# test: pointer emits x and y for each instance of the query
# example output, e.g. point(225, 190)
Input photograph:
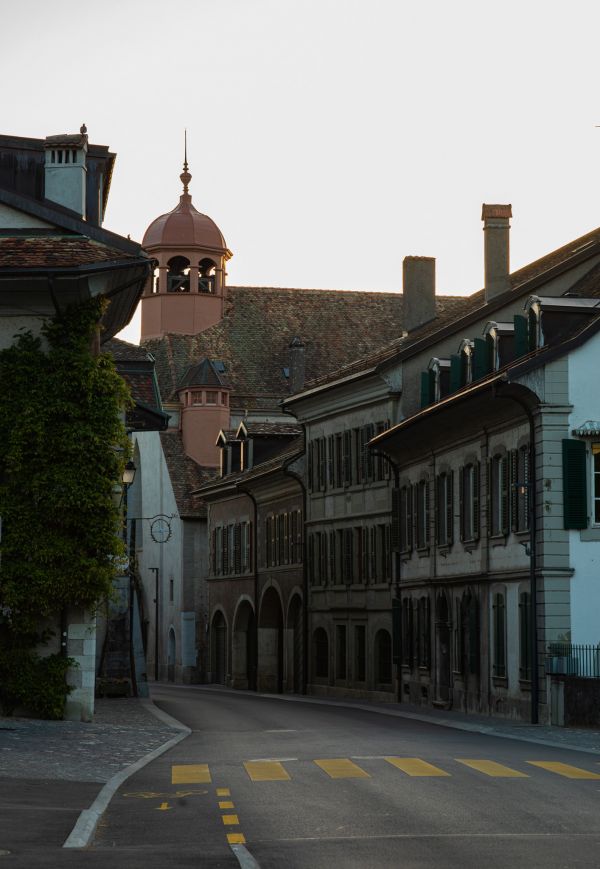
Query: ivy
point(62, 448)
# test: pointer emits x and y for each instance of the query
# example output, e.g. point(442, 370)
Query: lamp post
point(156, 572)
point(127, 479)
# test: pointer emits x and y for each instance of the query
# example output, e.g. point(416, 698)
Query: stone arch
point(270, 642)
point(218, 647)
point(178, 276)
point(243, 646)
point(295, 644)
point(206, 275)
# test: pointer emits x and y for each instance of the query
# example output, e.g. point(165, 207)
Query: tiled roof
point(290, 451)
point(203, 374)
point(254, 336)
point(55, 251)
point(185, 474)
point(123, 351)
point(273, 429)
point(136, 367)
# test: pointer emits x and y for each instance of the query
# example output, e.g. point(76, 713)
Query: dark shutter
point(330, 462)
point(461, 503)
point(521, 339)
point(455, 373)
point(574, 484)
point(514, 490)
point(450, 508)
point(427, 528)
point(348, 556)
point(489, 496)
point(409, 518)
point(396, 630)
point(481, 358)
point(347, 458)
point(504, 475)
point(237, 548)
point(474, 636)
point(476, 487)
point(425, 401)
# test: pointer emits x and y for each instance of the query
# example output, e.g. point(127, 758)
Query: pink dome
point(184, 227)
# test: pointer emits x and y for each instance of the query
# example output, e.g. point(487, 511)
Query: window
point(422, 513)
point(211, 397)
point(423, 633)
point(520, 488)
point(406, 519)
point(360, 652)
point(348, 576)
point(444, 509)
point(525, 636)
point(407, 632)
point(321, 647)
point(498, 496)
point(340, 652)
point(499, 619)
point(469, 502)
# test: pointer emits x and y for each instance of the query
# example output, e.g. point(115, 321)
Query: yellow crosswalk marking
point(266, 770)
point(416, 767)
point(231, 820)
point(226, 804)
point(236, 838)
point(191, 773)
point(564, 769)
point(490, 767)
point(341, 767)
point(223, 792)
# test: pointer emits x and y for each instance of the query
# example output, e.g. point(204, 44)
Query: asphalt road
point(301, 785)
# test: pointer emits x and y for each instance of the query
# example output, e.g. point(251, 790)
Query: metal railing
point(568, 659)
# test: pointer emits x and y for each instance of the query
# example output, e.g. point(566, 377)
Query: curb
point(87, 822)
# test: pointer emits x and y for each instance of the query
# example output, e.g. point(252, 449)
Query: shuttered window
point(525, 635)
point(521, 334)
point(574, 484)
point(499, 613)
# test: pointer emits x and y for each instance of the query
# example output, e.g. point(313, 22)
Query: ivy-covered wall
point(62, 448)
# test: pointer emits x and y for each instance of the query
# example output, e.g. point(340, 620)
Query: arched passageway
point(270, 643)
point(243, 650)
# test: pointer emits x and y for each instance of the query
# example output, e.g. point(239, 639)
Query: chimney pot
point(418, 291)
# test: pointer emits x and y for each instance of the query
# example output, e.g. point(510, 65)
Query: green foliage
point(62, 449)
point(28, 680)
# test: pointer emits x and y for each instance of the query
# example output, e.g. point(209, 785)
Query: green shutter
point(455, 373)
point(574, 484)
point(521, 345)
point(481, 358)
point(424, 388)
point(396, 629)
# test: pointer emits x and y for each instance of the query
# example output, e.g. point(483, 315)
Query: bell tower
point(188, 290)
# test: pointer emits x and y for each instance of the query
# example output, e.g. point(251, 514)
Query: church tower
point(187, 293)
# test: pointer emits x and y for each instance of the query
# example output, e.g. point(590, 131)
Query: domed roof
point(184, 226)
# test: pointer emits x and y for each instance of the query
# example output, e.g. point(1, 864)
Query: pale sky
point(327, 138)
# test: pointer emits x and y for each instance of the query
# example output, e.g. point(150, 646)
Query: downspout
point(532, 486)
point(255, 572)
point(305, 638)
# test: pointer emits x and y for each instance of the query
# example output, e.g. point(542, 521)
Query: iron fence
point(569, 659)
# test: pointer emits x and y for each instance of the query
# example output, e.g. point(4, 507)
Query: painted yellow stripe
point(192, 773)
point(230, 820)
point(266, 770)
point(223, 792)
point(236, 838)
point(416, 767)
point(341, 767)
point(564, 769)
point(226, 804)
point(490, 767)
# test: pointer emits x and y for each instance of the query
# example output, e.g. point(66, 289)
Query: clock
point(160, 529)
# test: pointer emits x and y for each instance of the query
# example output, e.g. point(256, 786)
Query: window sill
point(500, 681)
point(443, 549)
point(590, 534)
point(498, 539)
point(423, 553)
point(470, 545)
point(525, 684)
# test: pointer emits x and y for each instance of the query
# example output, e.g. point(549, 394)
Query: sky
point(328, 139)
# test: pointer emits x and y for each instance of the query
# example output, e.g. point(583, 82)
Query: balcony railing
point(568, 659)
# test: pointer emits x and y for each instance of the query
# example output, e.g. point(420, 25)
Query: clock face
point(160, 530)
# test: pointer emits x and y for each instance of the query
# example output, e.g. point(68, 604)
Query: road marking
point(414, 766)
point(341, 767)
point(281, 731)
point(151, 795)
point(164, 807)
point(192, 773)
point(231, 820)
point(272, 759)
point(491, 768)
point(266, 770)
point(565, 769)
point(236, 838)
point(223, 792)
point(226, 804)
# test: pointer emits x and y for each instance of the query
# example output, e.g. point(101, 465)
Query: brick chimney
point(418, 289)
point(496, 230)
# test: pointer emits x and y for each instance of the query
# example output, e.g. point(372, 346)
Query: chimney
point(496, 249)
point(66, 171)
point(418, 289)
point(296, 379)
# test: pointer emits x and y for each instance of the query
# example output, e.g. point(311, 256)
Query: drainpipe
point(255, 572)
point(532, 486)
point(305, 638)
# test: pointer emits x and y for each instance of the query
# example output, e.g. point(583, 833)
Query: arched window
point(465, 352)
point(178, 277)
point(206, 276)
point(383, 657)
point(321, 647)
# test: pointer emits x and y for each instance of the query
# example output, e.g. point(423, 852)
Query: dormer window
point(440, 370)
point(465, 352)
point(501, 344)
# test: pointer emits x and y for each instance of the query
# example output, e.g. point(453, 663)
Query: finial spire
point(185, 175)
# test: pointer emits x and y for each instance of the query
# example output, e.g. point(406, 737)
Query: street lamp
point(129, 473)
